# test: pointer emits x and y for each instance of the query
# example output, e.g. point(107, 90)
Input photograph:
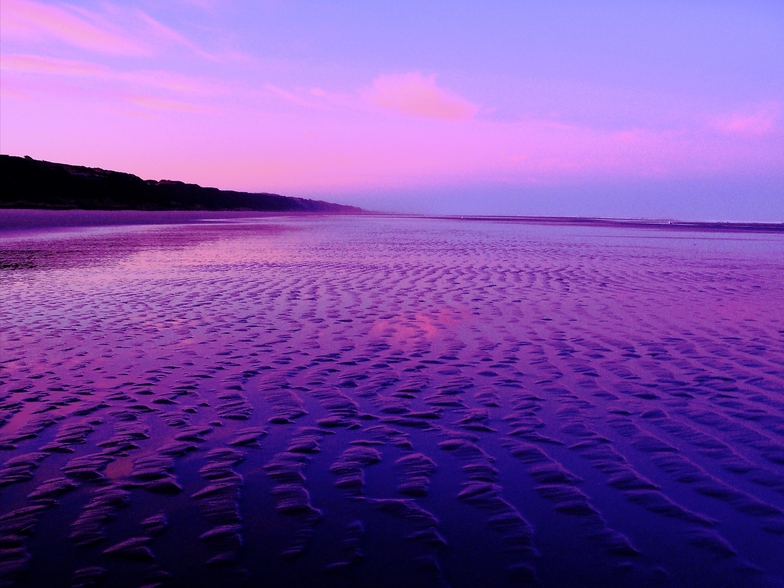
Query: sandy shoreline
point(380, 401)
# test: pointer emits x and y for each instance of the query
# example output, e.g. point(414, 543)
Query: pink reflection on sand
point(408, 333)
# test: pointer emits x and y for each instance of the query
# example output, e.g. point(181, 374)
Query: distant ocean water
point(380, 401)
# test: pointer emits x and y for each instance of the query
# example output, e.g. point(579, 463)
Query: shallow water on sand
point(369, 401)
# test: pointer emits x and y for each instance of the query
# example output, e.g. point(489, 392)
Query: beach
point(327, 400)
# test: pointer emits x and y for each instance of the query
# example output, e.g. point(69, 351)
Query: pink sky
point(342, 103)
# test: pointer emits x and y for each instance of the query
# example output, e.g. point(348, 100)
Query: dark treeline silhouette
point(30, 183)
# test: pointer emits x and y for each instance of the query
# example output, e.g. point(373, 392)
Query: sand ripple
point(391, 402)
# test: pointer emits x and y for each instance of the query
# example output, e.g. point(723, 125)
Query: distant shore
point(671, 225)
point(21, 219)
point(25, 219)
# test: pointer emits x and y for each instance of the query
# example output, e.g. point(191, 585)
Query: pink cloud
point(163, 104)
point(174, 82)
point(293, 98)
point(27, 20)
point(47, 65)
point(418, 95)
point(12, 93)
point(760, 122)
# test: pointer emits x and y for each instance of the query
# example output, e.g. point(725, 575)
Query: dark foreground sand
point(329, 401)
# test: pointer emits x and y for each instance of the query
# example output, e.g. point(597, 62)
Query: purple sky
point(635, 109)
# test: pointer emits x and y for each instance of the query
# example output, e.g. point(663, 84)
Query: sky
point(634, 109)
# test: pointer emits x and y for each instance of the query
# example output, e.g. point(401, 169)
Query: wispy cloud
point(762, 121)
point(163, 104)
point(293, 98)
point(418, 95)
point(68, 68)
point(36, 64)
point(26, 20)
point(210, 6)
point(117, 30)
point(171, 35)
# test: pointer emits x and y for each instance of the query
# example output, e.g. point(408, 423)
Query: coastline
point(25, 219)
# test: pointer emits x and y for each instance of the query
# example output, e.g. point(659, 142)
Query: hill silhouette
point(31, 183)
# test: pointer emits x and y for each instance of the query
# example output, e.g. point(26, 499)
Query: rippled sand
point(327, 401)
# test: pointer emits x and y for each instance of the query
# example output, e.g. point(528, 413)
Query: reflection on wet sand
point(374, 401)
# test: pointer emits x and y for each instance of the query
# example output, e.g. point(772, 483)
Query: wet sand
point(378, 401)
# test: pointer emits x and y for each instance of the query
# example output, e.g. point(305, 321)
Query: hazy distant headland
point(631, 223)
point(46, 186)
point(30, 183)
